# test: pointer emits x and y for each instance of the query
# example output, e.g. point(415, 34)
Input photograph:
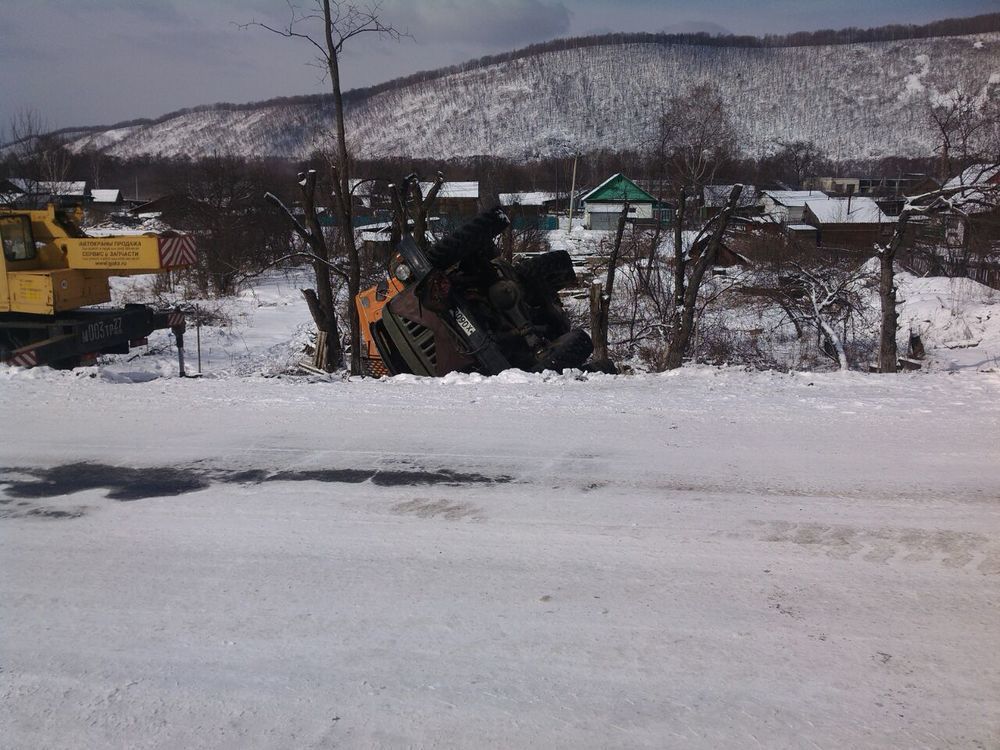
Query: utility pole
point(572, 192)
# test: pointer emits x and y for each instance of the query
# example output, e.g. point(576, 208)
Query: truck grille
point(423, 339)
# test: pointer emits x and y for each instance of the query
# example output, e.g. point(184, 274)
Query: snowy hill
point(854, 100)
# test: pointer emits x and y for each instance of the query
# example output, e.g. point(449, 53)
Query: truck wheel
point(568, 351)
point(473, 238)
point(553, 269)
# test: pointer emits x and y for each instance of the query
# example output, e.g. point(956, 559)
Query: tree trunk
point(324, 311)
point(596, 326)
point(602, 301)
point(423, 205)
point(680, 266)
point(342, 198)
point(888, 356)
point(682, 338)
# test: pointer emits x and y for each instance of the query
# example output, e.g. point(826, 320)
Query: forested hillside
point(855, 101)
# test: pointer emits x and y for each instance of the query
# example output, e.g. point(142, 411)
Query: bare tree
point(794, 161)
point(33, 155)
point(707, 245)
point(695, 137)
point(967, 129)
point(422, 206)
point(826, 299)
point(321, 300)
point(327, 25)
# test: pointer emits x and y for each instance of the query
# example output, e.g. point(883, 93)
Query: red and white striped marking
point(175, 319)
point(24, 359)
point(177, 251)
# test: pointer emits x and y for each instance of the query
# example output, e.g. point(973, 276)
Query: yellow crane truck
point(51, 272)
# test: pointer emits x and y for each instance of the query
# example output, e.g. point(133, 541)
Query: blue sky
point(84, 62)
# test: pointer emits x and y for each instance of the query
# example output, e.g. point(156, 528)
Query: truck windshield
point(15, 233)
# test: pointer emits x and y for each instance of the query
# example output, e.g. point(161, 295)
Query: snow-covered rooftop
point(715, 196)
point(527, 199)
point(454, 189)
point(978, 175)
point(795, 198)
point(38, 187)
point(106, 196)
point(848, 211)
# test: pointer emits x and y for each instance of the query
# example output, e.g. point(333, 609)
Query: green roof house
point(603, 205)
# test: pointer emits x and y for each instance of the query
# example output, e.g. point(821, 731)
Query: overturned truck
point(459, 307)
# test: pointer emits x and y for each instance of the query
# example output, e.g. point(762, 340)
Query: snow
point(145, 224)
point(536, 198)
point(977, 174)
point(945, 311)
point(706, 558)
point(105, 195)
point(456, 189)
point(795, 198)
point(716, 196)
point(64, 188)
point(858, 210)
point(913, 83)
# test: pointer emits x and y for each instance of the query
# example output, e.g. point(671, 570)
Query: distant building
point(714, 198)
point(840, 185)
point(29, 193)
point(456, 203)
point(853, 222)
point(604, 204)
point(531, 210)
point(788, 206)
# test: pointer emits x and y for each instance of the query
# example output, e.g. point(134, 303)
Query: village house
point(456, 203)
point(604, 204)
point(840, 185)
point(28, 193)
point(852, 222)
point(714, 198)
point(531, 210)
point(788, 206)
point(967, 240)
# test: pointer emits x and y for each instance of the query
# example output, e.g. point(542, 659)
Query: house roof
point(106, 196)
point(527, 199)
point(40, 187)
point(454, 189)
point(617, 189)
point(848, 211)
point(979, 175)
point(795, 198)
point(715, 196)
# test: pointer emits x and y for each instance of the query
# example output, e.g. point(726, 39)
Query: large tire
point(552, 270)
point(571, 350)
point(471, 239)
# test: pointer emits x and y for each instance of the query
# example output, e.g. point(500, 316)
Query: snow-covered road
point(706, 559)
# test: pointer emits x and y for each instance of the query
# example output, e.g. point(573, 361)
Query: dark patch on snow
point(339, 476)
point(54, 513)
point(121, 482)
point(248, 476)
point(378, 477)
point(399, 478)
point(125, 483)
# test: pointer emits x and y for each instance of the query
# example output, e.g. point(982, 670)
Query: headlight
point(403, 272)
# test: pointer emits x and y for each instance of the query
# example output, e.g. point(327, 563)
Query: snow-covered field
point(710, 558)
